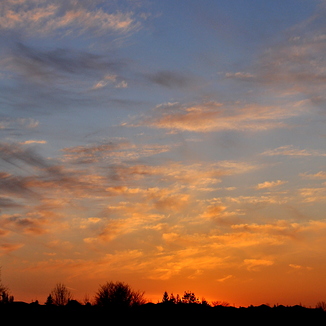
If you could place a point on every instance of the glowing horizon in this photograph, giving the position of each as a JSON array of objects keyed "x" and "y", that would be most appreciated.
[{"x": 172, "y": 146}]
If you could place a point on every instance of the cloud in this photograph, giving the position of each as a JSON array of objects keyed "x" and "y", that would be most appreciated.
[
  {"x": 29, "y": 142},
  {"x": 18, "y": 156},
  {"x": 110, "y": 79},
  {"x": 93, "y": 153},
  {"x": 296, "y": 64},
  {"x": 270, "y": 184},
  {"x": 255, "y": 200},
  {"x": 56, "y": 64},
  {"x": 245, "y": 240},
  {"x": 280, "y": 229},
  {"x": 321, "y": 175},
  {"x": 213, "y": 212},
  {"x": 115, "y": 151},
  {"x": 15, "y": 186},
  {"x": 30, "y": 225},
  {"x": 194, "y": 176},
  {"x": 300, "y": 267},
  {"x": 6, "y": 248},
  {"x": 170, "y": 79},
  {"x": 8, "y": 202},
  {"x": 257, "y": 264},
  {"x": 290, "y": 150},
  {"x": 44, "y": 18},
  {"x": 8, "y": 123},
  {"x": 223, "y": 279},
  {"x": 214, "y": 117},
  {"x": 292, "y": 65},
  {"x": 299, "y": 62},
  {"x": 239, "y": 75},
  {"x": 38, "y": 178},
  {"x": 310, "y": 195},
  {"x": 130, "y": 218},
  {"x": 53, "y": 76}
]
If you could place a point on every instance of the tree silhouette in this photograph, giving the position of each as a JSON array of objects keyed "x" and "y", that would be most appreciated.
[
  {"x": 189, "y": 297},
  {"x": 118, "y": 295},
  {"x": 60, "y": 295},
  {"x": 49, "y": 300},
  {"x": 4, "y": 293},
  {"x": 165, "y": 298}
]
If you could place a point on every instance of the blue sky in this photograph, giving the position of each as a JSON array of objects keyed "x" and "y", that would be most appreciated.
[{"x": 172, "y": 145}]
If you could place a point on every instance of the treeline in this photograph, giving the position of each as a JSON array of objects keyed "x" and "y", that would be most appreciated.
[{"x": 117, "y": 302}]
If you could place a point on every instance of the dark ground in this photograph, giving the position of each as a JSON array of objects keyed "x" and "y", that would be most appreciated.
[{"x": 159, "y": 314}]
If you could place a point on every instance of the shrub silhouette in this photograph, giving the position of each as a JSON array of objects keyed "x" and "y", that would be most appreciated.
[{"x": 118, "y": 295}]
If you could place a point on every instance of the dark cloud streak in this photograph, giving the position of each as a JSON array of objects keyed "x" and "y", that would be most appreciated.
[
  {"x": 170, "y": 79},
  {"x": 45, "y": 65}
]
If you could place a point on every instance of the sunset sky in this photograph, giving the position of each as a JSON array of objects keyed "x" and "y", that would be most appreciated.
[{"x": 170, "y": 144}]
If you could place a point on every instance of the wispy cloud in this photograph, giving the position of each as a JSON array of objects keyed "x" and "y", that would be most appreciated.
[
  {"x": 170, "y": 79},
  {"x": 321, "y": 175},
  {"x": 300, "y": 267},
  {"x": 290, "y": 150},
  {"x": 6, "y": 248},
  {"x": 257, "y": 264},
  {"x": 7, "y": 123},
  {"x": 56, "y": 64},
  {"x": 110, "y": 79},
  {"x": 213, "y": 116},
  {"x": 313, "y": 194},
  {"x": 239, "y": 75},
  {"x": 270, "y": 184},
  {"x": 29, "y": 142},
  {"x": 113, "y": 151},
  {"x": 64, "y": 17},
  {"x": 299, "y": 62}
]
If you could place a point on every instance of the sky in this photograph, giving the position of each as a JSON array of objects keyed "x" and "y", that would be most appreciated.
[{"x": 173, "y": 145}]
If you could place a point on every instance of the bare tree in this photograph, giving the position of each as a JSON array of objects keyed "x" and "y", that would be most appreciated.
[
  {"x": 321, "y": 305},
  {"x": 60, "y": 295},
  {"x": 119, "y": 295}
]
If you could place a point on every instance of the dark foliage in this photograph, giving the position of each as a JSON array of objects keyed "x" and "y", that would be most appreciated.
[{"x": 118, "y": 295}]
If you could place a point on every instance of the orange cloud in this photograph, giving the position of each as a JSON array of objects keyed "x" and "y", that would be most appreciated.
[
  {"x": 300, "y": 267},
  {"x": 270, "y": 184},
  {"x": 114, "y": 151},
  {"x": 290, "y": 150},
  {"x": 213, "y": 212},
  {"x": 266, "y": 199},
  {"x": 313, "y": 194},
  {"x": 319, "y": 175},
  {"x": 6, "y": 248},
  {"x": 257, "y": 264},
  {"x": 212, "y": 116}
]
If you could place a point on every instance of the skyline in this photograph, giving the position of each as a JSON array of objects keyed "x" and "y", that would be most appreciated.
[{"x": 171, "y": 145}]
